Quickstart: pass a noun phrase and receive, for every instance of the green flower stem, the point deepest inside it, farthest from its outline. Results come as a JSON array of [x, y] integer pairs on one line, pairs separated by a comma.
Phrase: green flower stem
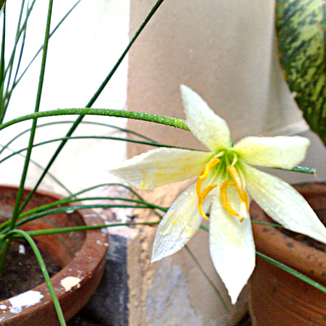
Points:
[[44, 272], [169, 121], [293, 272], [161, 119]]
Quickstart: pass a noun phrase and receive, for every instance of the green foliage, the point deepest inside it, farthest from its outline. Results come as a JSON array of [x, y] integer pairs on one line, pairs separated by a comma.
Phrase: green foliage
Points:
[[301, 34]]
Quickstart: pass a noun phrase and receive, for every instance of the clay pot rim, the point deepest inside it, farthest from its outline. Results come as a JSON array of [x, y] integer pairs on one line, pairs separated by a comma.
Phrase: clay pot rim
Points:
[[269, 240], [95, 246]]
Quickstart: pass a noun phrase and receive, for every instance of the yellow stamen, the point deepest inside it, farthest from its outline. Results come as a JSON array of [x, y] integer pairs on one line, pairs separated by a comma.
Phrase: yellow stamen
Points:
[[241, 191], [224, 198], [202, 176], [238, 183], [246, 200], [201, 200]]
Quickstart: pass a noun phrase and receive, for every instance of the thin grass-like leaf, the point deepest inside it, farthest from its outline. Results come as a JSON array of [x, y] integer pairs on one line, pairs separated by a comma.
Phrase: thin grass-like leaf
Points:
[[37, 107], [41, 48], [82, 228], [21, 30], [66, 201], [10, 67], [113, 184], [207, 278], [2, 58], [45, 273], [73, 208], [50, 175], [293, 272], [70, 122], [88, 137], [4, 247]]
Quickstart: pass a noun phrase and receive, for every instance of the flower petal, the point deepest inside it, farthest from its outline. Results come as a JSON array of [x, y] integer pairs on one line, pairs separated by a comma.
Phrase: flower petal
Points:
[[205, 125], [232, 246], [162, 166], [283, 203], [281, 152], [179, 224]]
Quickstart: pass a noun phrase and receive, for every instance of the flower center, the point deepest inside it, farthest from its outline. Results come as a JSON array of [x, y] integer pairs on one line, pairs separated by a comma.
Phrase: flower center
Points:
[[244, 198]]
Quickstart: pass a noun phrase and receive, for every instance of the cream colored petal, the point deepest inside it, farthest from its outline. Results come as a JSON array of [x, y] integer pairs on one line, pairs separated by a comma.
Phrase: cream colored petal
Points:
[[205, 125], [281, 152], [162, 166], [179, 224], [231, 245], [283, 203]]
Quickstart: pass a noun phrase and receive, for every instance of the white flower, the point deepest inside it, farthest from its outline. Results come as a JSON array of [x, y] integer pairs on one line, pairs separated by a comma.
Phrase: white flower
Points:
[[224, 177]]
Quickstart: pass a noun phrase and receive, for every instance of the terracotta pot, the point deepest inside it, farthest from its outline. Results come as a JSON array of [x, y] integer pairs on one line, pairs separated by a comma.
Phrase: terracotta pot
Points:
[[81, 255], [277, 297]]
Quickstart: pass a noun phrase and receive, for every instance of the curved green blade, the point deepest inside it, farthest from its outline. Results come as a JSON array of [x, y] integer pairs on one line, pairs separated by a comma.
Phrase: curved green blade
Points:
[[301, 30]]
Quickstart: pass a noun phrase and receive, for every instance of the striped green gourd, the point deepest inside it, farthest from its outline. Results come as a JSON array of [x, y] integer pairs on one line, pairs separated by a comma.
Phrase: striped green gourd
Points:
[[301, 30]]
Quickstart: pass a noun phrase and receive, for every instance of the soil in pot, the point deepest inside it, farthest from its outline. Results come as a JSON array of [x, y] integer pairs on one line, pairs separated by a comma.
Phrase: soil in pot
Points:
[[22, 271], [25, 274]]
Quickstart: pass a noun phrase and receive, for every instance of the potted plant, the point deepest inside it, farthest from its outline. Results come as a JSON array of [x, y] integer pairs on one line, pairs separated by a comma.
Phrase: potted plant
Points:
[[223, 175]]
